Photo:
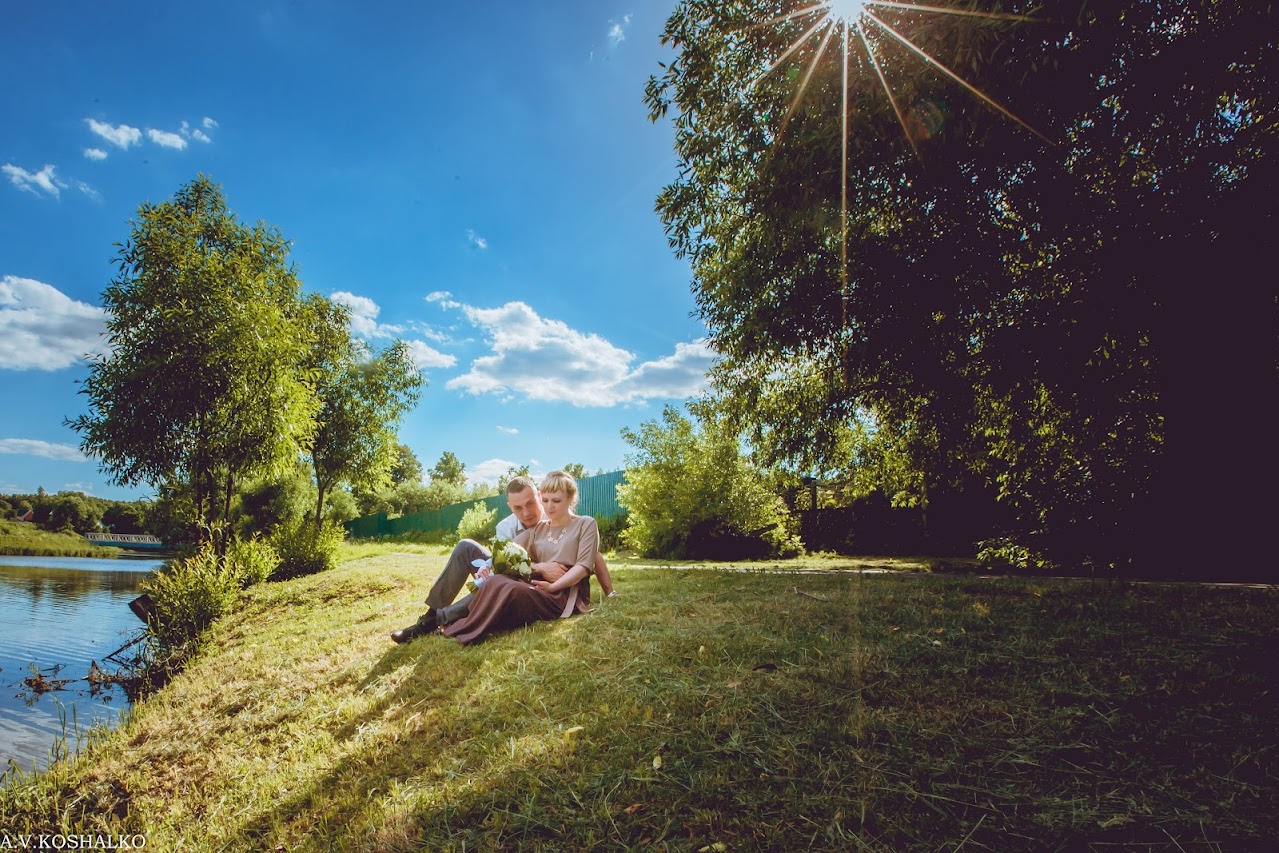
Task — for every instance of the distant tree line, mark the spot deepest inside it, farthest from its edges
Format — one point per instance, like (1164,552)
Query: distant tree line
(76,512)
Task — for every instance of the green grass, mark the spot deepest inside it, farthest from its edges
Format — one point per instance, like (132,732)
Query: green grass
(703,710)
(26,539)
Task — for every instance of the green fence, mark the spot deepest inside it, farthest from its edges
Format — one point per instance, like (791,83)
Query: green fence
(596,496)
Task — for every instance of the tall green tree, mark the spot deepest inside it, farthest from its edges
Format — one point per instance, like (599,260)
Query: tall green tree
(449,469)
(202,383)
(363,396)
(1055,318)
(407,467)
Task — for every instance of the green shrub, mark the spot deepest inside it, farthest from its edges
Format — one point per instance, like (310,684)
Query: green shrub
(189,593)
(303,550)
(252,560)
(691,493)
(478,523)
(611,531)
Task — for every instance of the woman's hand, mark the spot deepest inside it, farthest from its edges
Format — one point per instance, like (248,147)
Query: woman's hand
(565,580)
(548,571)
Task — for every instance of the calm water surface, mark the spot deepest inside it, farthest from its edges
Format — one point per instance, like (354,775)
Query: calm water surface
(58,614)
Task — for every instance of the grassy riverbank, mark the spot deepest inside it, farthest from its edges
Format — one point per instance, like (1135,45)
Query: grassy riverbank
(24,539)
(703,710)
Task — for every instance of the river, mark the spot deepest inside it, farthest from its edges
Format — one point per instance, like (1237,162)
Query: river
(57,615)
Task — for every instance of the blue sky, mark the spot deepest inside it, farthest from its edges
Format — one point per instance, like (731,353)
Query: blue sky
(477,179)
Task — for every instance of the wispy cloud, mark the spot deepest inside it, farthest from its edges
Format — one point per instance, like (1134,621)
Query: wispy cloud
(95,154)
(121,136)
(196,133)
(45,449)
(546,360)
(45,181)
(617,30)
(42,328)
(508,430)
(364,313)
(476,240)
(446,300)
(88,190)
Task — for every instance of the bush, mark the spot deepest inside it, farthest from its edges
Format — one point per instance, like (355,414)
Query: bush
(478,523)
(188,594)
(690,492)
(303,550)
(611,531)
(252,560)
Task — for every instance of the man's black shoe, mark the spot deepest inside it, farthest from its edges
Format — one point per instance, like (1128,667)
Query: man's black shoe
(424,625)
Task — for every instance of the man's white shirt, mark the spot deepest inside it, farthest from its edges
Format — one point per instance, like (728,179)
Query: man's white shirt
(509,526)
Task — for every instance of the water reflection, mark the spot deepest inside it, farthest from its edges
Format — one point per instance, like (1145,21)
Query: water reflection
(57,619)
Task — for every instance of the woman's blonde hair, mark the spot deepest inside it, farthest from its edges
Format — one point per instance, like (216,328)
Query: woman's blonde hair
(562,483)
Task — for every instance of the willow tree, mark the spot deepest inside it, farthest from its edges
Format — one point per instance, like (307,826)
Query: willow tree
(1021,235)
(203,383)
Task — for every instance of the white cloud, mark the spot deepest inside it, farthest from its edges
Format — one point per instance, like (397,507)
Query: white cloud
(508,430)
(166,139)
(121,136)
(364,312)
(88,190)
(617,30)
(476,240)
(430,333)
(364,322)
(43,181)
(489,471)
(86,488)
(444,298)
(198,135)
(209,123)
(681,374)
(425,356)
(43,329)
(48,450)
(547,360)
(95,154)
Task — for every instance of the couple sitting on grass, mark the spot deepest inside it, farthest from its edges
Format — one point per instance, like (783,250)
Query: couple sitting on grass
(564,549)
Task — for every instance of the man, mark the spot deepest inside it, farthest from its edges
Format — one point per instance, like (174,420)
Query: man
(526,511)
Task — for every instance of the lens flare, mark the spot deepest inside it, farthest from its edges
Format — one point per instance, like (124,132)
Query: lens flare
(860,22)
(846,12)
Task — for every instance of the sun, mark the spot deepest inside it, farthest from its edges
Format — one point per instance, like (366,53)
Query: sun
(847,12)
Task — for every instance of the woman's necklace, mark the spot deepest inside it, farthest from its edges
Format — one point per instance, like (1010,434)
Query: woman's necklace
(555,535)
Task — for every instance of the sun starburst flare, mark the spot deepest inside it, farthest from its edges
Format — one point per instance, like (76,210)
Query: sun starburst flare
(860,25)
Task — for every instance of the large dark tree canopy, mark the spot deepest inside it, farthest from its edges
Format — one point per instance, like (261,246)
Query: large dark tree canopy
(1046,285)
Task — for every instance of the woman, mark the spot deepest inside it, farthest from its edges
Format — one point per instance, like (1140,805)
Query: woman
(564,541)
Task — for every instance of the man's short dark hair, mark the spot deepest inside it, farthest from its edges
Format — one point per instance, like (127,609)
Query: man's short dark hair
(519,484)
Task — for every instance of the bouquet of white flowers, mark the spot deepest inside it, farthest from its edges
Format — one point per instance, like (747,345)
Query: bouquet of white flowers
(508,559)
